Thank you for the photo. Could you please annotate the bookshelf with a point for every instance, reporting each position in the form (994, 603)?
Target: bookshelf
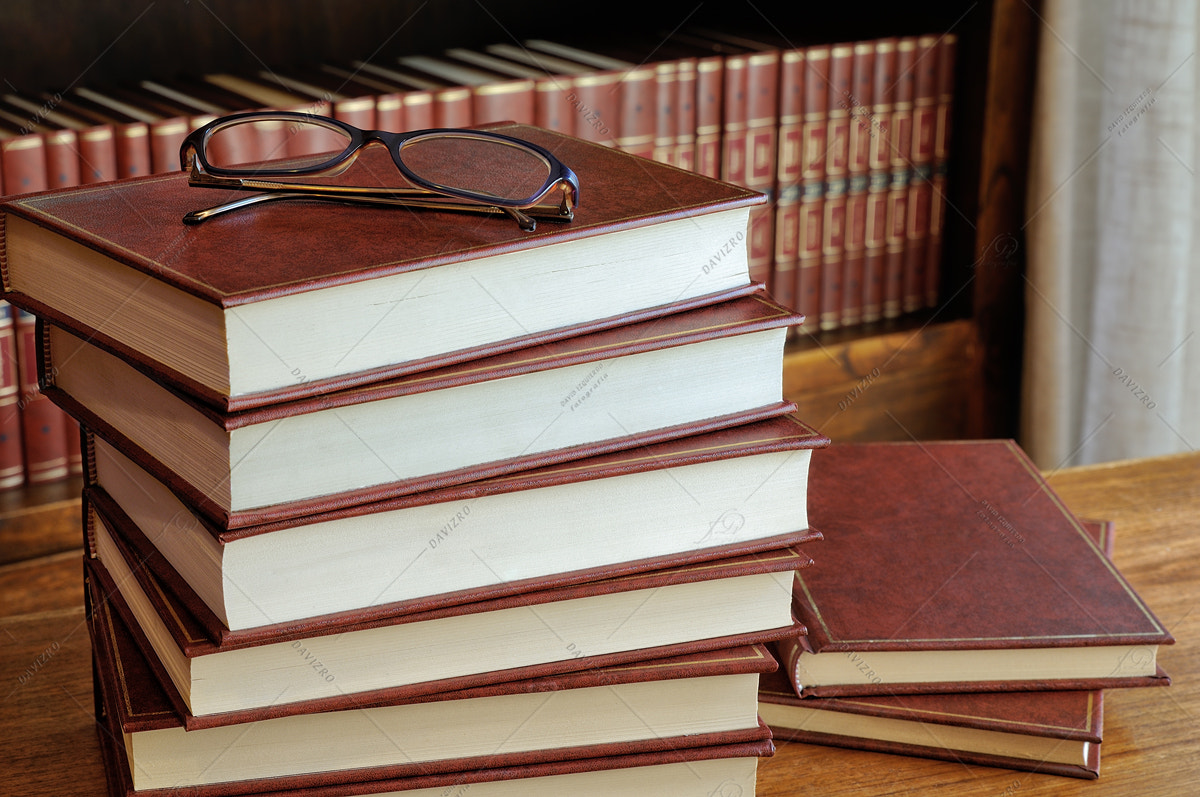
(949, 372)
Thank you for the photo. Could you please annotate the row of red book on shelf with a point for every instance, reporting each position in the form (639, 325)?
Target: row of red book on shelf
(38, 441)
(850, 141)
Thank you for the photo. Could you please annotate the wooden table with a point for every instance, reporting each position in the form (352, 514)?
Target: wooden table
(1151, 736)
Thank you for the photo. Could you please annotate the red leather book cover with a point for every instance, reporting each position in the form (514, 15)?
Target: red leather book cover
(733, 119)
(494, 97)
(62, 159)
(666, 97)
(879, 178)
(137, 703)
(639, 117)
(837, 183)
(860, 102)
(900, 141)
(347, 246)
(43, 424)
(710, 90)
(12, 457)
(22, 164)
(686, 81)
(947, 46)
(551, 108)
(920, 189)
(1071, 719)
(815, 138)
(789, 170)
(762, 124)
(143, 441)
(921, 538)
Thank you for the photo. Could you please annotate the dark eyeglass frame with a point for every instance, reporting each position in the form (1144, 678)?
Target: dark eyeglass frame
(203, 174)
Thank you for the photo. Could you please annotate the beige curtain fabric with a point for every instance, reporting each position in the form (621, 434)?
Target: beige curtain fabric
(1112, 350)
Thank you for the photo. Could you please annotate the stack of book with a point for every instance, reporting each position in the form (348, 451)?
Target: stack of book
(387, 500)
(850, 141)
(958, 611)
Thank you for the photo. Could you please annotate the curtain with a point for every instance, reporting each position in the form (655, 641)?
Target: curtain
(1112, 344)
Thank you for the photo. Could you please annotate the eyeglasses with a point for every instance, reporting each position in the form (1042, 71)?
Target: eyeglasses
(461, 170)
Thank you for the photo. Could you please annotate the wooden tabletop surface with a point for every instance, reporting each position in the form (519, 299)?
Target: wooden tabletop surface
(1151, 736)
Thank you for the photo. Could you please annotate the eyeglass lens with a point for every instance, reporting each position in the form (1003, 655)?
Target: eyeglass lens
(479, 165)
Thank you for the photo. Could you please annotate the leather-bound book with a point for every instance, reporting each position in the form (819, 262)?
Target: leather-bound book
(1052, 731)
(706, 369)
(295, 298)
(643, 707)
(788, 171)
(947, 48)
(710, 496)
(814, 144)
(344, 660)
(551, 106)
(921, 160)
(494, 97)
(860, 102)
(883, 91)
(839, 89)
(900, 137)
(953, 567)
(43, 424)
(12, 454)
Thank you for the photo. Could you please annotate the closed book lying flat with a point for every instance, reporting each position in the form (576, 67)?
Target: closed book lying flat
(654, 706)
(296, 298)
(952, 566)
(1051, 731)
(681, 772)
(344, 661)
(698, 498)
(686, 373)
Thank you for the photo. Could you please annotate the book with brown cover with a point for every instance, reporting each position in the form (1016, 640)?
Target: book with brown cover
(106, 260)
(879, 179)
(12, 457)
(953, 566)
(788, 172)
(708, 368)
(642, 707)
(43, 424)
(839, 89)
(737, 491)
(1055, 731)
(814, 144)
(921, 161)
(900, 137)
(339, 661)
(860, 101)
(947, 47)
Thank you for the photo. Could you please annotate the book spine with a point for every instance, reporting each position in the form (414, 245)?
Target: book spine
(357, 111)
(733, 121)
(23, 164)
(812, 193)
(920, 189)
(837, 177)
(452, 107)
(419, 113)
(505, 100)
(789, 168)
(710, 79)
(97, 155)
(43, 425)
(552, 109)
(166, 136)
(762, 127)
(596, 107)
(638, 119)
(900, 140)
(685, 115)
(941, 157)
(879, 178)
(133, 149)
(12, 460)
(860, 104)
(666, 112)
(389, 111)
(62, 159)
